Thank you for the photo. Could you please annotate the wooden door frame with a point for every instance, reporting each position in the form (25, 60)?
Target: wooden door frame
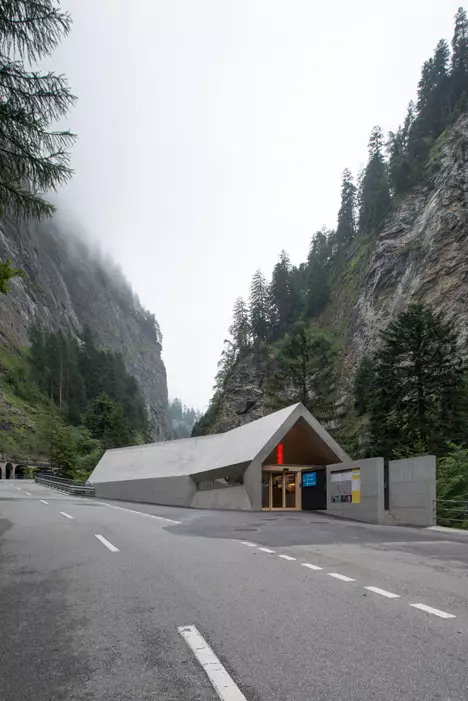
(287, 470)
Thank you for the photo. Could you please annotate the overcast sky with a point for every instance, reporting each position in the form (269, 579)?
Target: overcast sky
(213, 134)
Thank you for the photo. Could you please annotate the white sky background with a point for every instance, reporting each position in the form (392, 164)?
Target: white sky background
(213, 134)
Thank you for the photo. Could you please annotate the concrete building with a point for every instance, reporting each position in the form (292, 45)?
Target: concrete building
(285, 461)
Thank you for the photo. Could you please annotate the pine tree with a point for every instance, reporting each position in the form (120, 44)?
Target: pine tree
(459, 74)
(418, 401)
(375, 198)
(225, 366)
(433, 92)
(364, 386)
(440, 102)
(282, 298)
(346, 229)
(34, 157)
(106, 421)
(240, 328)
(317, 274)
(399, 166)
(258, 307)
(304, 370)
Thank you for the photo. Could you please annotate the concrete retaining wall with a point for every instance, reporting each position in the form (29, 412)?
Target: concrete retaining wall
(370, 507)
(412, 485)
(229, 498)
(170, 491)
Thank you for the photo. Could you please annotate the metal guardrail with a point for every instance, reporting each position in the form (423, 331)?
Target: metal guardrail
(452, 513)
(65, 485)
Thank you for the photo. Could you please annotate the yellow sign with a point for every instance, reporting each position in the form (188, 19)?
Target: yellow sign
(356, 486)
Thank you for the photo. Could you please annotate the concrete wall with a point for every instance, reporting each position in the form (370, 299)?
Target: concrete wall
(371, 506)
(229, 498)
(175, 491)
(253, 484)
(170, 491)
(412, 485)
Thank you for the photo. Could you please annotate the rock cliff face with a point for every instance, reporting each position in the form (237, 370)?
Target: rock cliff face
(68, 287)
(421, 254)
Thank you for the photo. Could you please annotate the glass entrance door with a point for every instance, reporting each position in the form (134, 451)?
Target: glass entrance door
(289, 490)
(276, 490)
(281, 491)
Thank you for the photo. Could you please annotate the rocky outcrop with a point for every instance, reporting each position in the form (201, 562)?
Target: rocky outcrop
(421, 254)
(67, 286)
(244, 398)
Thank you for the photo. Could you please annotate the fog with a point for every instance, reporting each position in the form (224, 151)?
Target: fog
(213, 134)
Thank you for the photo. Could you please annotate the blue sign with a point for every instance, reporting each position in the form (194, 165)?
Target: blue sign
(309, 479)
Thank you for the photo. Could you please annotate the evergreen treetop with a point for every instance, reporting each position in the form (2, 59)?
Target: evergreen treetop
(34, 156)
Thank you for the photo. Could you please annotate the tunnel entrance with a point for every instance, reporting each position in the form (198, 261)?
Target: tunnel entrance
(8, 471)
(19, 472)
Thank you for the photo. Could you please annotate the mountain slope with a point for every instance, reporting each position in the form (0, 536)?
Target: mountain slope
(68, 287)
(419, 254)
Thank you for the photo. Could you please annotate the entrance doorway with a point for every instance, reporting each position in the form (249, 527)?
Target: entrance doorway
(280, 490)
(314, 490)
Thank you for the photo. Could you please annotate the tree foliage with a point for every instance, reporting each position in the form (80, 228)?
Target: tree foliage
(81, 379)
(34, 155)
(282, 297)
(240, 328)
(317, 291)
(258, 307)
(346, 228)
(183, 418)
(375, 198)
(414, 387)
(7, 273)
(304, 370)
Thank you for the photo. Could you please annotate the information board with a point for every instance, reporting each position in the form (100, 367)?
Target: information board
(309, 479)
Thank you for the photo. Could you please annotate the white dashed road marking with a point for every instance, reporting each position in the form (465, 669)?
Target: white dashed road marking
(222, 682)
(383, 592)
(105, 542)
(435, 612)
(267, 550)
(287, 557)
(67, 515)
(340, 576)
(28, 493)
(18, 488)
(311, 567)
(44, 502)
(140, 513)
(248, 544)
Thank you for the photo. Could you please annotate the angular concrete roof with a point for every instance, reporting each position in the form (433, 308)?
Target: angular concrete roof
(191, 456)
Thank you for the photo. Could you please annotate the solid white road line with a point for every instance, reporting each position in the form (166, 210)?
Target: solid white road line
(267, 550)
(311, 567)
(105, 542)
(435, 612)
(222, 682)
(340, 576)
(67, 515)
(383, 592)
(44, 502)
(140, 513)
(248, 544)
(287, 557)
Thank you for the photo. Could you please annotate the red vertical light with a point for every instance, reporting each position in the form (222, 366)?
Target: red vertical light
(280, 454)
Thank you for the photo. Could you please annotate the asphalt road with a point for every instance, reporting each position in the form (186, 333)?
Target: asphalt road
(81, 621)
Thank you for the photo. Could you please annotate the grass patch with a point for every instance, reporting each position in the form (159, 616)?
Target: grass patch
(27, 417)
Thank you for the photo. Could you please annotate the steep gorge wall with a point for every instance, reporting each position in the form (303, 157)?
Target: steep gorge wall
(421, 254)
(68, 287)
